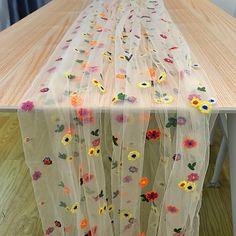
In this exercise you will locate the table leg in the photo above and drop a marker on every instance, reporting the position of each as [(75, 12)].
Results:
[(232, 155)]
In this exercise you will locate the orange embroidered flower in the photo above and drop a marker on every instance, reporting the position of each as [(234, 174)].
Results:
[(120, 76), (143, 182), (83, 223), (189, 143), (142, 234), (152, 72), (66, 189), (195, 102), (68, 229)]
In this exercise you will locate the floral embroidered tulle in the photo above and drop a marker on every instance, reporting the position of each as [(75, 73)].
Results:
[(115, 126)]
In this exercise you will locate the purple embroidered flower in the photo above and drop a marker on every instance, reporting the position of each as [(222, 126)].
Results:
[(193, 177), (181, 120), (127, 179), (49, 230), (133, 169), (132, 99), (121, 118), (36, 175), (27, 106)]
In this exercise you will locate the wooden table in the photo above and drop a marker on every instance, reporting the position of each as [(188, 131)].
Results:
[(210, 33)]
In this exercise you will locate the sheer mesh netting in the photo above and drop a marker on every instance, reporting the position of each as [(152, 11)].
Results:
[(116, 126)]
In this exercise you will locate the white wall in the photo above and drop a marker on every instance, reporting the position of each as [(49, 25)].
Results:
[(227, 5)]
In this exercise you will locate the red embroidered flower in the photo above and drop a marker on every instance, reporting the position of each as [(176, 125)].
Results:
[(172, 209), (47, 161), (27, 106), (151, 196), (96, 142), (57, 223), (189, 143), (85, 116), (168, 60), (87, 177), (153, 134), (193, 177)]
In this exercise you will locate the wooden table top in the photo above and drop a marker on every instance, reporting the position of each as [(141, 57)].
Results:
[(25, 46)]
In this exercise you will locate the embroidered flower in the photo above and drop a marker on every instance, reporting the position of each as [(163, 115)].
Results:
[(57, 223), (75, 99), (87, 177), (162, 77), (66, 139), (189, 143), (36, 175), (176, 157), (115, 99), (133, 169), (47, 161), (195, 102), (27, 106), (121, 118), (83, 223), (74, 208), (85, 116), (167, 99), (97, 151), (191, 96), (68, 75), (127, 179), (205, 107), (110, 208), (143, 182), (142, 234), (181, 120), (125, 214), (134, 155), (190, 187), (101, 88), (149, 196), (96, 142), (172, 209), (168, 60), (212, 100), (102, 209), (193, 177), (91, 152), (95, 82), (121, 76), (144, 84), (132, 99), (49, 230), (152, 72), (153, 134), (44, 90), (182, 184)]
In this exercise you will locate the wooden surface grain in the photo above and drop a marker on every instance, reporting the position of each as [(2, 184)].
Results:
[(210, 33)]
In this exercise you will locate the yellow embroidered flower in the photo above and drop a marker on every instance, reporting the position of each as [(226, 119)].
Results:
[(167, 99), (134, 155), (162, 77), (125, 214), (205, 107), (66, 139), (122, 57), (95, 82), (102, 209), (191, 186), (144, 84), (157, 100), (97, 151), (74, 208), (68, 75), (182, 184), (115, 99), (195, 102), (110, 208), (101, 88), (91, 152)]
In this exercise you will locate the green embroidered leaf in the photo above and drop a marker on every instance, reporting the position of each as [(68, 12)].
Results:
[(157, 94), (168, 125), (202, 89), (121, 96), (79, 61), (61, 184), (59, 128), (95, 133), (62, 156), (63, 204), (192, 166), (71, 77), (114, 139), (177, 230)]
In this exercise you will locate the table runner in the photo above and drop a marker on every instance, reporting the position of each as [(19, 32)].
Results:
[(115, 126)]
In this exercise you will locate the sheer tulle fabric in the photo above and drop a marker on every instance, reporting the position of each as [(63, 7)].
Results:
[(116, 126)]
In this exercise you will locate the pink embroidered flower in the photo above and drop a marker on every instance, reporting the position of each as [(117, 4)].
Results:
[(192, 96), (96, 142), (172, 209), (163, 36), (132, 99), (27, 106), (168, 60), (85, 116), (193, 177), (189, 143), (121, 118), (177, 157), (49, 230), (87, 177), (36, 175), (181, 120), (127, 179)]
